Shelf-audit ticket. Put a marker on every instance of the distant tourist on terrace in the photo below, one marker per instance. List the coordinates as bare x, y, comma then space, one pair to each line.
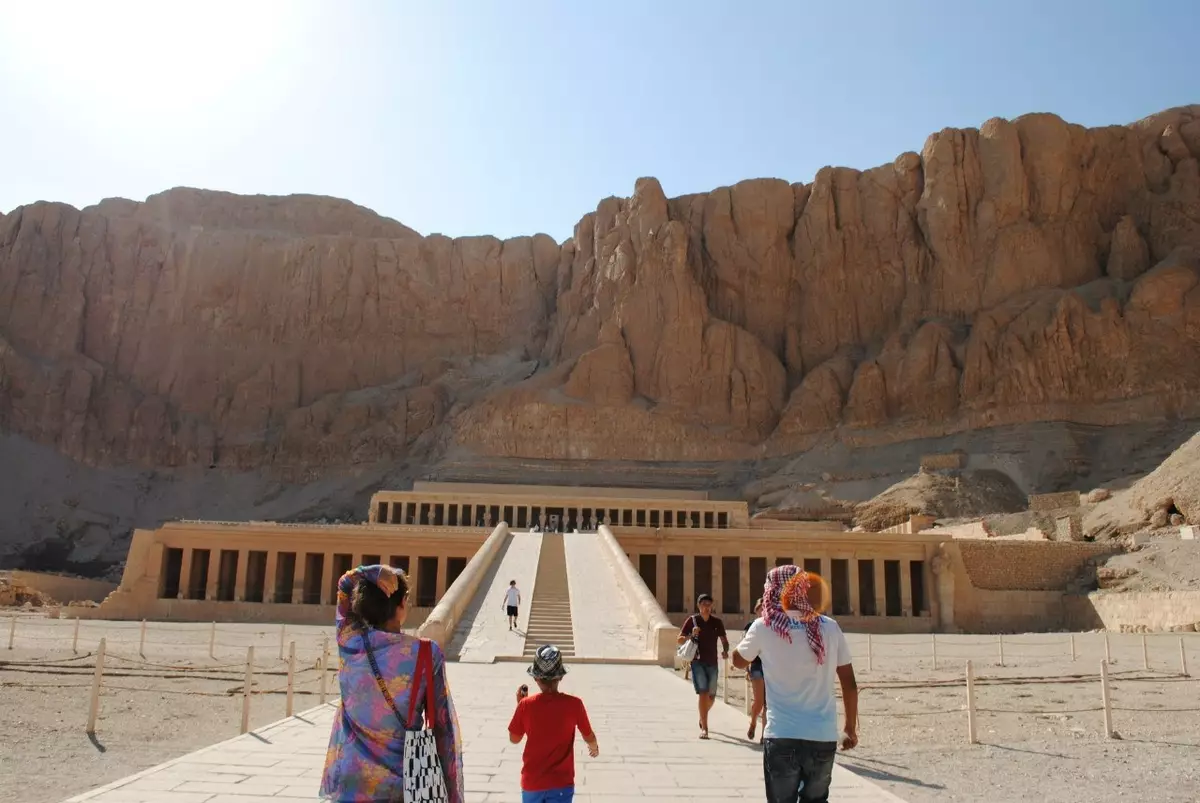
705, 629
801, 652
365, 761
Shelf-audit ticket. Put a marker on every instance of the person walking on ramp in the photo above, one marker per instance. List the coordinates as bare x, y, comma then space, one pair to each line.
548, 722
705, 629
801, 652
512, 603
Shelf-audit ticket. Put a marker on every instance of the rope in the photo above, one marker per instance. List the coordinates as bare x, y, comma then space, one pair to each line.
1038, 711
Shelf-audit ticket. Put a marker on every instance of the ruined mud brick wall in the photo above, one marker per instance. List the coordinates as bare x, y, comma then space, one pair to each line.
943, 462
1068, 528
1041, 503
1034, 566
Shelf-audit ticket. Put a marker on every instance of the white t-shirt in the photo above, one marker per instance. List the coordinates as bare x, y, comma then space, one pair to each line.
800, 701
512, 597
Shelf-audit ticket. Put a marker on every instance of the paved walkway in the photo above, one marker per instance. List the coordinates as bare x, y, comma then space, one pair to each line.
604, 622
644, 719
484, 634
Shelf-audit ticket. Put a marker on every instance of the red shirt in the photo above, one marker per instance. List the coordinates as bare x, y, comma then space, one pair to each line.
548, 721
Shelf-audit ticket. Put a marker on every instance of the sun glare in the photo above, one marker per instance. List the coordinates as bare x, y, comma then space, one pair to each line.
117, 62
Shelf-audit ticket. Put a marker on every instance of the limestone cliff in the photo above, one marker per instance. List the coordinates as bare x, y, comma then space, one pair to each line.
1028, 270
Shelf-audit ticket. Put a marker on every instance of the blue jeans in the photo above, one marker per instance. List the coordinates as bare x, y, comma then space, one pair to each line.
704, 678
564, 795
797, 770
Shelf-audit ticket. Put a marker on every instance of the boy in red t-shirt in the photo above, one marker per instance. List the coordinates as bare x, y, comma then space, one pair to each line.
549, 720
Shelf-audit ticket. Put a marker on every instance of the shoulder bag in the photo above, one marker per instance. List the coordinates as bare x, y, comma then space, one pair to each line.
423, 778
688, 649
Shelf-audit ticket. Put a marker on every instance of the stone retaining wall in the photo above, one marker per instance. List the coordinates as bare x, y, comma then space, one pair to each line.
1125, 610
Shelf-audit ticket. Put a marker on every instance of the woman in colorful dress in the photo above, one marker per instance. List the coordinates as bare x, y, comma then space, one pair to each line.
365, 761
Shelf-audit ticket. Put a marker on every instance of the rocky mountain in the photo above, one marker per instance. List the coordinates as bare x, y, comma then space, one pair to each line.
1030, 270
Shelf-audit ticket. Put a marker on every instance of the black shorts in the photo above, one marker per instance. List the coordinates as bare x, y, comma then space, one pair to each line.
512, 610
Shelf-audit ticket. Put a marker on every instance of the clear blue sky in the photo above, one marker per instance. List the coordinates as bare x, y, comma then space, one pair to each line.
511, 118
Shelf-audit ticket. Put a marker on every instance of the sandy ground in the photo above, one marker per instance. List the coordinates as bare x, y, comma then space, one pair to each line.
149, 713
1040, 723
913, 722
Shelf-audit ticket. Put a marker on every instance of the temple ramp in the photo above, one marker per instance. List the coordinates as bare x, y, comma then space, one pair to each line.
605, 624
482, 635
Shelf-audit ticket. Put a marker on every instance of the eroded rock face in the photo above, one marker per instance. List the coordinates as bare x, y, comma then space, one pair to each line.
1028, 270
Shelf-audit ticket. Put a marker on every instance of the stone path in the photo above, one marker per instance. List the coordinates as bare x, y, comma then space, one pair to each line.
484, 635
604, 622
644, 719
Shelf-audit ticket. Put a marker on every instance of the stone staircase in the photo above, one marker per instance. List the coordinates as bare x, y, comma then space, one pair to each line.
550, 611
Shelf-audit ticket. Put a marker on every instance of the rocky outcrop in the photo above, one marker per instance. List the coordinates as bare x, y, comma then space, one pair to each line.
1027, 270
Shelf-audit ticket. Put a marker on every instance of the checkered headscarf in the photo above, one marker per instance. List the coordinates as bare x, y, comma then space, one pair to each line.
787, 589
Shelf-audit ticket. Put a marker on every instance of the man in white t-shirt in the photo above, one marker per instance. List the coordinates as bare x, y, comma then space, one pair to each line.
801, 652
512, 602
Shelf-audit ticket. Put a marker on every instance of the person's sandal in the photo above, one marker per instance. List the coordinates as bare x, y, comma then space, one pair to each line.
703, 734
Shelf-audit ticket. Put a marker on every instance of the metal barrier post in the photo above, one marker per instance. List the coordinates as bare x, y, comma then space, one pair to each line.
933, 641
1183, 658
12, 630
142, 640
1073, 653
212, 641
1145, 654
75, 637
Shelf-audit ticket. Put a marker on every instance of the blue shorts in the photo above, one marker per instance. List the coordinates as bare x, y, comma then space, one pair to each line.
755, 672
564, 795
704, 678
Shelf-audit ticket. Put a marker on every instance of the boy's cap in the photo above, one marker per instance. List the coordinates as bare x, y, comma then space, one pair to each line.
704, 598
547, 664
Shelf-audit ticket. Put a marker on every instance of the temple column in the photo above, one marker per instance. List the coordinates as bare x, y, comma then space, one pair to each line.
214, 571
239, 578
269, 576
718, 587
827, 576
745, 598
906, 600
441, 577
660, 577
185, 573
855, 607
298, 579
689, 582
327, 579
880, 589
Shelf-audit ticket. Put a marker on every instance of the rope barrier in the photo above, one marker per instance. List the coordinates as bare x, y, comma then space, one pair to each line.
1039, 711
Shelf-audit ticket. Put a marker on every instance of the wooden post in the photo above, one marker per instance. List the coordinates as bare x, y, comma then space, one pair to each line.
142, 640
94, 706
282, 636
746, 692
1107, 648
1001, 643
246, 689
212, 641
1145, 654
725, 688
75, 637
291, 686
1107, 700
324, 666
1073, 653
870, 658
12, 630
1183, 658
970, 703
933, 642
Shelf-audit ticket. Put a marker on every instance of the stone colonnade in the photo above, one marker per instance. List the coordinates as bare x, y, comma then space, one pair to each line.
296, 577
860, 583
571, 515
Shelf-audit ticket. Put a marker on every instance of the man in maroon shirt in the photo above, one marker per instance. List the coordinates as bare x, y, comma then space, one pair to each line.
705, 629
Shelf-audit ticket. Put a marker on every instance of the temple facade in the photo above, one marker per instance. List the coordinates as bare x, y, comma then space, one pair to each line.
681, 544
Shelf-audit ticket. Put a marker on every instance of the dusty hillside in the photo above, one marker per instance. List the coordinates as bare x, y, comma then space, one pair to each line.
959, 494
1026, 271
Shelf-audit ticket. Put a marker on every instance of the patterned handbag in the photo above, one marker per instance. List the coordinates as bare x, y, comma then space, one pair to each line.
423, 778
688, 649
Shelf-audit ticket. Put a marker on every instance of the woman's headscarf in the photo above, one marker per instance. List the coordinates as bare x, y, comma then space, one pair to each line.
787, 589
